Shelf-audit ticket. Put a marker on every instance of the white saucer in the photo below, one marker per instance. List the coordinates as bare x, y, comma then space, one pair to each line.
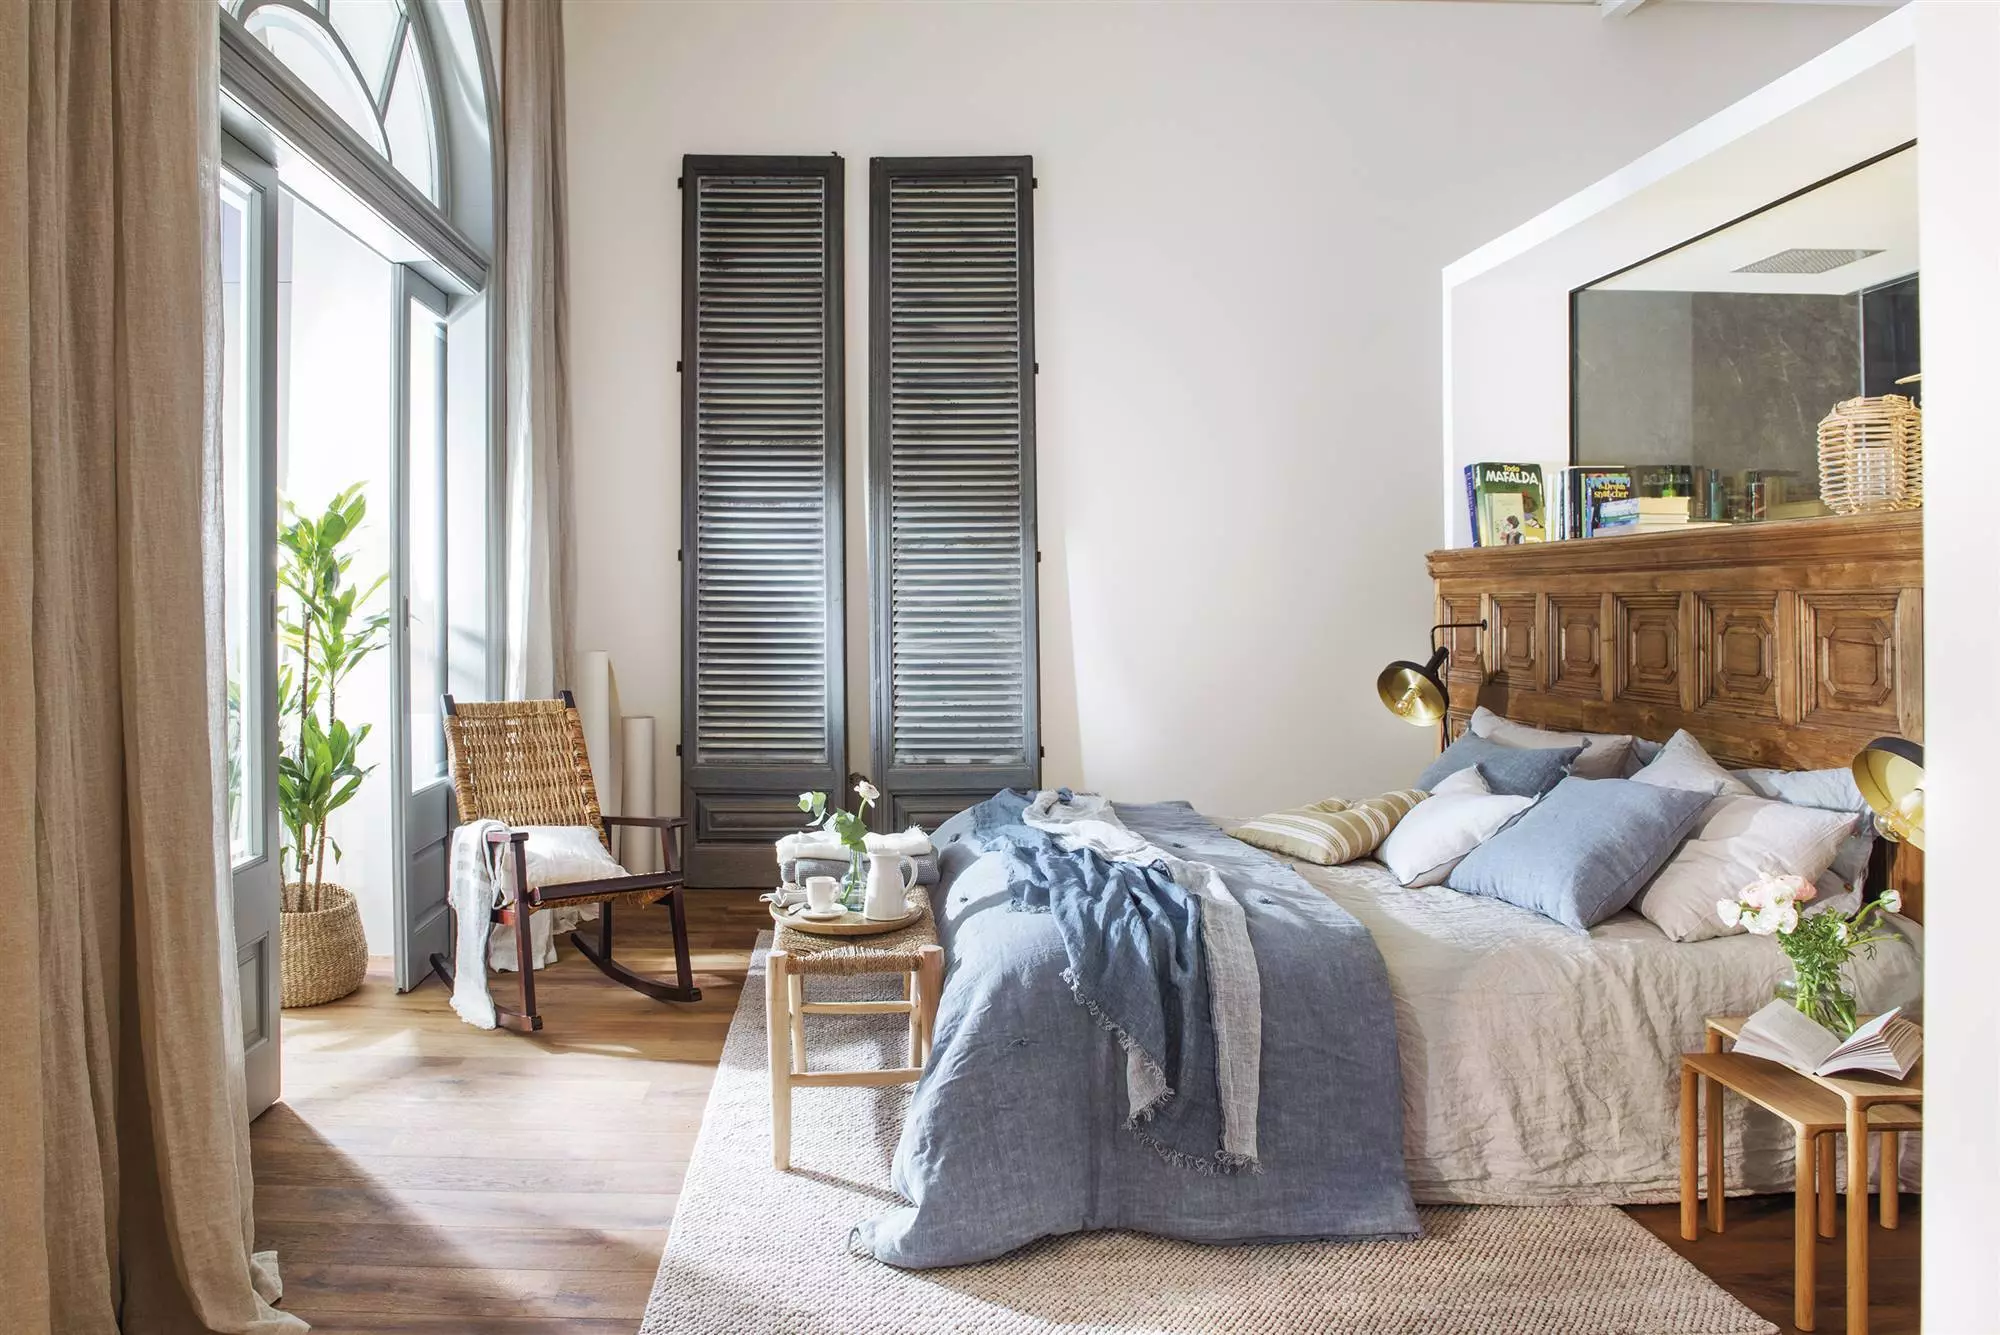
820, 915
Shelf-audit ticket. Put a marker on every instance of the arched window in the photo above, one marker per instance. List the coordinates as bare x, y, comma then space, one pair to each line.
373, 64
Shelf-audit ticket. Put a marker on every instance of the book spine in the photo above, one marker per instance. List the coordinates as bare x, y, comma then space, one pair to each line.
1471, 505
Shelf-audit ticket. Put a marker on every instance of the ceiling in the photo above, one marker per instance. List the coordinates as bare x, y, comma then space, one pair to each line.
1874, 208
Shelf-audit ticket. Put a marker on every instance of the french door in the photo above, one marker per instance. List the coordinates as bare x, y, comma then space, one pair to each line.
249, 248
421, 637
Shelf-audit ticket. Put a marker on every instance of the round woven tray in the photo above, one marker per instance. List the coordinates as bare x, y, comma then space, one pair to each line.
849, 923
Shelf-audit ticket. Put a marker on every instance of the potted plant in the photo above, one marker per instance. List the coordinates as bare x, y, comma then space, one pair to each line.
1820, 947
327, 629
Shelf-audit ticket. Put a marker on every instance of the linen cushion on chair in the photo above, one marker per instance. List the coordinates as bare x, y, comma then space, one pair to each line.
557, 855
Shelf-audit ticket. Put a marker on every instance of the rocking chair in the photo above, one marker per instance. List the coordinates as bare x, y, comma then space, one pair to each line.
523, 762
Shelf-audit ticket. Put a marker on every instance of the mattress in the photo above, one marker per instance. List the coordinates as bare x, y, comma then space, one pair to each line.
1541, 1065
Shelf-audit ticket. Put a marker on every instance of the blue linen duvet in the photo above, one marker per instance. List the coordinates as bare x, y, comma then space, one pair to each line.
1017, 1129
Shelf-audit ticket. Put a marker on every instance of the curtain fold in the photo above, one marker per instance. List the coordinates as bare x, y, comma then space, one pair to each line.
541, 563
125, 1188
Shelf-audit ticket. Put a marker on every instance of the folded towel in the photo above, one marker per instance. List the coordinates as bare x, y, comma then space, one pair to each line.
912, 841
796, 872
810, 844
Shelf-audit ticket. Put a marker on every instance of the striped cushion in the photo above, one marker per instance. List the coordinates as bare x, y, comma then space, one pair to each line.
1330, 832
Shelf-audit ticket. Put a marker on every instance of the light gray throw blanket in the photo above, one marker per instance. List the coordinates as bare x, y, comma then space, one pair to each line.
1087, 820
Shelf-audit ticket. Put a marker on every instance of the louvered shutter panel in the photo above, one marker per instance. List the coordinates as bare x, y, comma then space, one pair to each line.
952, 475
764, 707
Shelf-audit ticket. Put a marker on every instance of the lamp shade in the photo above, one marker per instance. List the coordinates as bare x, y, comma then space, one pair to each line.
1889, 771
1414, 692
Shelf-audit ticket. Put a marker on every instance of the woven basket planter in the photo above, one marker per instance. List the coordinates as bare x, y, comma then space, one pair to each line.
323, 951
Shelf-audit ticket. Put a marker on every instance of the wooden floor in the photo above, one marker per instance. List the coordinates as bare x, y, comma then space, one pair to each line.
422, 1176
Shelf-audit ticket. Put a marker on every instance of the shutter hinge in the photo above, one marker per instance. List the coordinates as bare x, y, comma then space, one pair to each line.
677, 748
678, 553
1042, 753
1038, 556
1034, 183
1038, 368
680, 183
677, 367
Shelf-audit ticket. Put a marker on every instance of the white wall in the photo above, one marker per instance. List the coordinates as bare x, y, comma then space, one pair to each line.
1242, 217
1958, 53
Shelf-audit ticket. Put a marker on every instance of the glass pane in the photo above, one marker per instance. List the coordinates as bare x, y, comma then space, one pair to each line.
425, 585
408, 118
369, 29
310, 52
337, 425
244, 714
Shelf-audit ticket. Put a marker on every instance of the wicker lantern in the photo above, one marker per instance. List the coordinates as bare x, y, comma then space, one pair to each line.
1871, 455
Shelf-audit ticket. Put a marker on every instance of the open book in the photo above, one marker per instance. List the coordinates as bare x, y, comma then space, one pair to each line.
1887, 1045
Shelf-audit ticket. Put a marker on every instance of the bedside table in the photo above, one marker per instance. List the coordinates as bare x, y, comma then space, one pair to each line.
1818, 1108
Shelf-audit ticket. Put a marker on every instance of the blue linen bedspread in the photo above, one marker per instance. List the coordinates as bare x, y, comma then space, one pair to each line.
1016, 1131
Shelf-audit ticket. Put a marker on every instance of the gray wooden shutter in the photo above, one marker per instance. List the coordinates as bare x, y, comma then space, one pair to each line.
951, 522
763, 693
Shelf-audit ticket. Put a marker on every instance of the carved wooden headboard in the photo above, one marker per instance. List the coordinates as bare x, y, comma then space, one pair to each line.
1789, 645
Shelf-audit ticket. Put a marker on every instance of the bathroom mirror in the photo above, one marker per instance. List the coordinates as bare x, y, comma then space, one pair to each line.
1705, 370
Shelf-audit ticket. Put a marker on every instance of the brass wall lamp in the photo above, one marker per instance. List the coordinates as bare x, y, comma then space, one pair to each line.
1889, 771
1415, 692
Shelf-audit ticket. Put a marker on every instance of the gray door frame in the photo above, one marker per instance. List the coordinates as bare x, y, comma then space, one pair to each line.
255, 885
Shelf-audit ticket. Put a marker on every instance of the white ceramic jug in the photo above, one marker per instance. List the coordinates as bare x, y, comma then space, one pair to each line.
890, 876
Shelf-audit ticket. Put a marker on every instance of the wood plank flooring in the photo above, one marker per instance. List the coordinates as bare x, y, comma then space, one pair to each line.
422, 1177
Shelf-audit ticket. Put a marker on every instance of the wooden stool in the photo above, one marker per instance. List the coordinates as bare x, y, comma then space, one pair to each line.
1818, 1108
911, 951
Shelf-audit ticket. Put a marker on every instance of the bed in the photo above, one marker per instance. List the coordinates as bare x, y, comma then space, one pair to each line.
1540, 1066
1533, 1064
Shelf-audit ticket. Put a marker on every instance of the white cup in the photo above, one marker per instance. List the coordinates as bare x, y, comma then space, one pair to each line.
821, 891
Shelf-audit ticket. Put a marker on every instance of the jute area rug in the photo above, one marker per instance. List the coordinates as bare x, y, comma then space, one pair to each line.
755, 1250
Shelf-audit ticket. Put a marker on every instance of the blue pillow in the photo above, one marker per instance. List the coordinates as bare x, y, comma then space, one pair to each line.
1507, 769
1583, 852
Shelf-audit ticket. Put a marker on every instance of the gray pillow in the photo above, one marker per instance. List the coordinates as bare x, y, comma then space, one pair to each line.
1583, 852
1508, 769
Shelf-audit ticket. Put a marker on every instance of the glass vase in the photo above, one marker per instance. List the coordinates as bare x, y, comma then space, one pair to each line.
1823, 997
854, 890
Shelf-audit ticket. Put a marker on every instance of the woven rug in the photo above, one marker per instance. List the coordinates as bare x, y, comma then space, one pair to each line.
755, 1250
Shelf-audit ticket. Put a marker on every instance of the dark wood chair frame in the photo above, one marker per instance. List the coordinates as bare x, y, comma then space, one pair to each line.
640, 890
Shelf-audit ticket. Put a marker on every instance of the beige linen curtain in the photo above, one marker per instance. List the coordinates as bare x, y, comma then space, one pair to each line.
124, 1160
541, 563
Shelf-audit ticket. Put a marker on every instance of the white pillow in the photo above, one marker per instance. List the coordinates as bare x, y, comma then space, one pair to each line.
1738, 839
1458, 816
1683, 764
562, 854
1604, 753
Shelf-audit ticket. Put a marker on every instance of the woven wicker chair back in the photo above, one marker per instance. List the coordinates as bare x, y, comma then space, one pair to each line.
522, 762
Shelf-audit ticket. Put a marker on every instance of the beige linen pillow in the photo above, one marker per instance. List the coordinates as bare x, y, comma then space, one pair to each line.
1330, 832
1739, 838
1683, 763
1604, 753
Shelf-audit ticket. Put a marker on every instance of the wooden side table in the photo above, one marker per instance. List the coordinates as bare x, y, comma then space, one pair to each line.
912, 951
1818, 1108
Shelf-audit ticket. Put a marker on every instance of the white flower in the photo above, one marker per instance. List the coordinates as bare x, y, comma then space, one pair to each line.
867, 791
1892, 901
1788, 920
1729, 911
1840, 932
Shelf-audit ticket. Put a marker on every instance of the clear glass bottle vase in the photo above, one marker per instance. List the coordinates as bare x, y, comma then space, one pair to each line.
1823, 997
